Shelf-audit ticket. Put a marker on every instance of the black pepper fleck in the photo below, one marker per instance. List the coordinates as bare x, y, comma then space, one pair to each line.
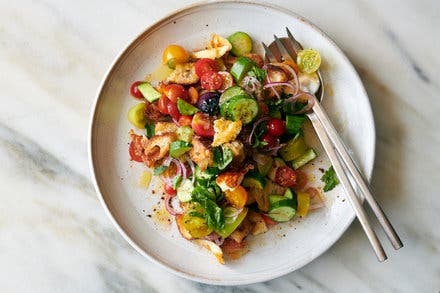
322, 170
162, 198
149, 216
174, 22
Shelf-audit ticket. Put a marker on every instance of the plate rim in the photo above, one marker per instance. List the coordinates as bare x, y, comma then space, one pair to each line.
120, 57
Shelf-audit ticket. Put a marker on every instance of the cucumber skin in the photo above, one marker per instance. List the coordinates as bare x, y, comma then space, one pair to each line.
236, 114
241, 43
149, 92
282, 214
184, 191
305, 158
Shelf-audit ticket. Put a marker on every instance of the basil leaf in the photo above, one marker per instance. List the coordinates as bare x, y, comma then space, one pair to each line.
258, 73
213, 213
176, 181
222, 158
159, 170
330, 179
149, 129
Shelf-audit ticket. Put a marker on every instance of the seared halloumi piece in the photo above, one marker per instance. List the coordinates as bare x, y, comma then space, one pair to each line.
225, 131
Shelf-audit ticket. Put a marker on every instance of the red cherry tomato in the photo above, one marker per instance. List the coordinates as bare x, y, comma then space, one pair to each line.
285, 176
202, 125
175, 91
276, 127
169, 190
163, 104
173, 111
134, 91
135, 155
269, 139
268, 220
211, 81
205, 65
185, 120
301, 180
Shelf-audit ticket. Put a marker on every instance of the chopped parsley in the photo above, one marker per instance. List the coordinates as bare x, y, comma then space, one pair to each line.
330, 179
159, 170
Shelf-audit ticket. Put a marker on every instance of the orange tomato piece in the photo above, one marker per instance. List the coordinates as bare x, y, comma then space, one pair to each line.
237, 197
193, 95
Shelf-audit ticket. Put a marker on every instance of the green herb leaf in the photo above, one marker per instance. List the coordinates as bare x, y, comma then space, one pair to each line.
222, 158
294, 123
213, 213
149, 129
258, 73
159, 170
196, 214
330, 179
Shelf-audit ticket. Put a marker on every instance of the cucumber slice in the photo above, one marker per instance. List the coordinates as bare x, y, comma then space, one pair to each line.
185, 133
241, 43
186, 108
241, 67
289, 193
254, 180
184, 190
275, 198
243, 107
149, 92
178, 148
230, 93
282, 213
309, 155
294, 148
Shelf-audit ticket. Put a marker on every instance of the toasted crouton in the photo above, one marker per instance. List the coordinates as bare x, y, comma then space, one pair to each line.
232, 179
158, 147
184, 74
242, 231
258, 221
225, 131
164, 127
201, 153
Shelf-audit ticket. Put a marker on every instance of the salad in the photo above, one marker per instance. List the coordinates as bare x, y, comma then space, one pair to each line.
222, 129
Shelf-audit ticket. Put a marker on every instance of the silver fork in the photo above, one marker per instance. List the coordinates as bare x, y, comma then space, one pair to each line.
285, 50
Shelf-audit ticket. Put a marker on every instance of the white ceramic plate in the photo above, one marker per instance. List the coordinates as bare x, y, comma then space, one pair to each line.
281, 250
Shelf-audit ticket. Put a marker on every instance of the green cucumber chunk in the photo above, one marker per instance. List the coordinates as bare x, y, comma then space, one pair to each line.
149, 92
241, 67
185, 133
275, 198
244, 108
309, 155
230, 93
230, 223
178, 148
184, 190
289, 193
294, 148
254, 180
186, 108
294, 123
241, 43
282, 213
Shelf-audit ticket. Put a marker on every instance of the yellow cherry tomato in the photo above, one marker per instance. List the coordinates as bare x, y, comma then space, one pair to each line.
303, 200
136, 115
308, 60
173, 55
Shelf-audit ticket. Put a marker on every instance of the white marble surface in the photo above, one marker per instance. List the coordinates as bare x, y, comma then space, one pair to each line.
54, 234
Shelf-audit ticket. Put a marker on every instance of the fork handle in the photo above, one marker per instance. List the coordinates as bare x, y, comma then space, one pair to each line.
353, 199
357, 175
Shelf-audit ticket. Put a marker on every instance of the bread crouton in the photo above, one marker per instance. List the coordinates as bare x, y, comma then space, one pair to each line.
225, 131
164, 127
157, 148
201, 153
184, 74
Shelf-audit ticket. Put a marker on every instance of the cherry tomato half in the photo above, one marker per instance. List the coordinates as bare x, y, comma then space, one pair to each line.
202, 125
174, 54
173, 111
169, 190
135, 92
175, 91
276, 127
285, 176
135, 155
204, 66
268, 220
185, 120
269, 139
211, 81
163, 104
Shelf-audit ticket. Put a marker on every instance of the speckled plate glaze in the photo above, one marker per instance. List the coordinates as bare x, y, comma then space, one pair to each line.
281, 250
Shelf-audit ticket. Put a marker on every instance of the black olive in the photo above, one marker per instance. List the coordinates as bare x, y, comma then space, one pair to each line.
209, 103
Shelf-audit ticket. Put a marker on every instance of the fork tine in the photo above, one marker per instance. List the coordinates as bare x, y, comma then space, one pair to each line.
296, 45
269, 55
283, 51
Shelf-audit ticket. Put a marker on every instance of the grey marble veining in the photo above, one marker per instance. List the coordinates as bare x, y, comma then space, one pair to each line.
54, 235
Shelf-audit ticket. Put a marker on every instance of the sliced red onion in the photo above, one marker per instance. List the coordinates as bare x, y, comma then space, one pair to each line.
176, 122
168, 181
193, 168
262, 119
169, 207
214, 237
269, 81
183, 168
294, 81
251, 84
274, 150
273, 84
310, 101
316, 201
219, 241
